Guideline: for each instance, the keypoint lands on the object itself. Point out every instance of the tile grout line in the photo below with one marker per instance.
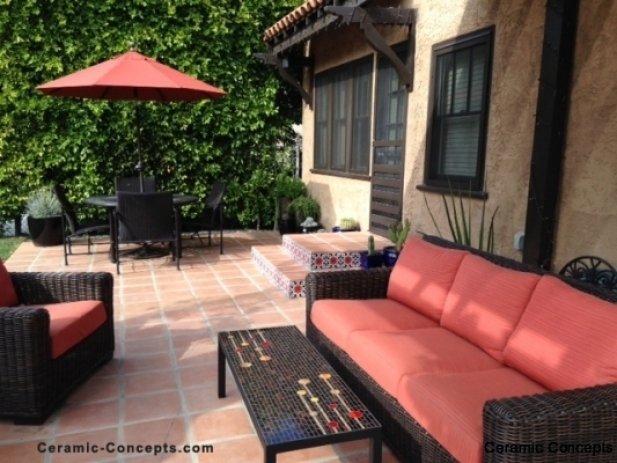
(188, 433)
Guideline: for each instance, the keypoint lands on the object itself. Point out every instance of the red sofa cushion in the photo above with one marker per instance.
(72, 322)
(566, 338)
(389, 355)
(423, 275)
(486, 302)
(8, 296)
(338, 318)
(450, 406)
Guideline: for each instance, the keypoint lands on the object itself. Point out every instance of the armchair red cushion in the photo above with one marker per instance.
(8, 296)
(72, 322)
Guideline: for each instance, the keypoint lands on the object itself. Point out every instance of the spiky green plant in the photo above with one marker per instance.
(398, 232)
(460, 223)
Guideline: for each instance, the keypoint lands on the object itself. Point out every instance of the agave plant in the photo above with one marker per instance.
(460, 223)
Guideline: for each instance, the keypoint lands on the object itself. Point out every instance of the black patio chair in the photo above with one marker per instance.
(591, 269)
(147, 218)
(132, 184)
(72, 228)
(211, 218)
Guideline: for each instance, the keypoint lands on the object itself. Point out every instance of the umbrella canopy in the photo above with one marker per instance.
(131, 76)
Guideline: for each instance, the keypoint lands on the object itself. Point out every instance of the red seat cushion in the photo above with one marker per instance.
(8, 296)
(450, 406)
(566, 338)
(72, 322)
(423, 275)
(486, 302)
(338, 318)
(389, 355)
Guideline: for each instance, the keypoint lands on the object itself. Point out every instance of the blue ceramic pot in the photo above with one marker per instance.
(371, 261)
(390, 255)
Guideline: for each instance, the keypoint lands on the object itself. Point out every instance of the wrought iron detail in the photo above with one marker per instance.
(591, 269)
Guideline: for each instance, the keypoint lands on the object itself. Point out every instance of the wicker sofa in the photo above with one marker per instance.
(52, 337)
(466, 356)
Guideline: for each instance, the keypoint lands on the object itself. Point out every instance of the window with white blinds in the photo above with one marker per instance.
(457, 138)
(343, 108)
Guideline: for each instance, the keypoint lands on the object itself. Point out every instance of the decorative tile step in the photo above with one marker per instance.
(281, 269)
(329, 251)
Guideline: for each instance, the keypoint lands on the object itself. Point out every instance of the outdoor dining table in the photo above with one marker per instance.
(110, 202)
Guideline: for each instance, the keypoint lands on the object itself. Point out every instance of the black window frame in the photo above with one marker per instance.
(327, 79)
(433, 179)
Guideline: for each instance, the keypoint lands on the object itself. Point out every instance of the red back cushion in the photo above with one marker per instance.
(423, 275)
(566, 338)
(8, 296)
(486, 302)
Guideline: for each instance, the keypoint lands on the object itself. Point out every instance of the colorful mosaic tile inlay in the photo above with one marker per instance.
(292, 391)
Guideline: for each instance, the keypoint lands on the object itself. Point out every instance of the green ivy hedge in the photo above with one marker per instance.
(87, 143)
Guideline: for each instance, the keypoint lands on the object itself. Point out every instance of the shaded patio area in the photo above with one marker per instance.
(161, 385)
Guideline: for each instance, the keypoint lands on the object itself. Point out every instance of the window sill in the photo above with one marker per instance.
(334, 173)
(447, 191)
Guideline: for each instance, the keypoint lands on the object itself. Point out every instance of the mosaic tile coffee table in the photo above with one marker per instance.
(293, 396)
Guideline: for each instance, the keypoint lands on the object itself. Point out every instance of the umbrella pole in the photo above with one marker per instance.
(140, 165)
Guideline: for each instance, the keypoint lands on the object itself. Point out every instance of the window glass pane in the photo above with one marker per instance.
(461, 81)
(445, 78)
(339, 121)
(361, 116)
(390, 155)
(391, 102)
(478, 58)
(460, 137)
(321, 121)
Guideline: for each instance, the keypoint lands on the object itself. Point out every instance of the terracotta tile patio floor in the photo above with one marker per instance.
(161, 385)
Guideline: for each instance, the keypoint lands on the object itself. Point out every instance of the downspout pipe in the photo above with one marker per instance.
(550, 133)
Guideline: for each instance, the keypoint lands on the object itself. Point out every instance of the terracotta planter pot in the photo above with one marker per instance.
(45, 231)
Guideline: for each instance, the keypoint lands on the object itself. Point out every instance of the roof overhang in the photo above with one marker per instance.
(302, 23)
(317, 16)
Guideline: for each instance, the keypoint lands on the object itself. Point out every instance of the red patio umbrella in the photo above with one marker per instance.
(131, 76)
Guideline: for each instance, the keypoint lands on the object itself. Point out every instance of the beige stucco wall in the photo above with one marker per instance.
(588, 208)
(514, 86)
(516, 64)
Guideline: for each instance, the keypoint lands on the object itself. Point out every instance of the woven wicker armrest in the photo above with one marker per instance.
(34, 288)
(25, 334)
(347, 284)
(556, 426)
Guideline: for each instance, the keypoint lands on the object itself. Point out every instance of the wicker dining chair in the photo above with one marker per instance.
(72, 228)
(147, 218)
(211, 218)
(133, 184)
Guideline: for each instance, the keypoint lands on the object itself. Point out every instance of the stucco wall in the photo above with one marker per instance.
(588, 208)
(516, 64)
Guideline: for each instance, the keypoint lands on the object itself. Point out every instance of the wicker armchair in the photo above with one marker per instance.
(32, 385)
(579, 416)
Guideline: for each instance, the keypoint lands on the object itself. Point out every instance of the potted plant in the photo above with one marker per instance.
(349, 224)
(286, 189)
(44, 218)
(397, 233)
(304, 207)
(370, 258)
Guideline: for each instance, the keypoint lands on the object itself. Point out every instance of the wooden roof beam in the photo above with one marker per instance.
(366, 18)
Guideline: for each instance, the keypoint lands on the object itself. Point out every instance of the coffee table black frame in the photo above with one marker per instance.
(294, 397)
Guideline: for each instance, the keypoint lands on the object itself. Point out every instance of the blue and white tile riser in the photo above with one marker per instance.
(319, 261)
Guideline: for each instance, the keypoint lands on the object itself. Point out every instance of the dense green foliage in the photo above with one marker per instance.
(86, 143)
